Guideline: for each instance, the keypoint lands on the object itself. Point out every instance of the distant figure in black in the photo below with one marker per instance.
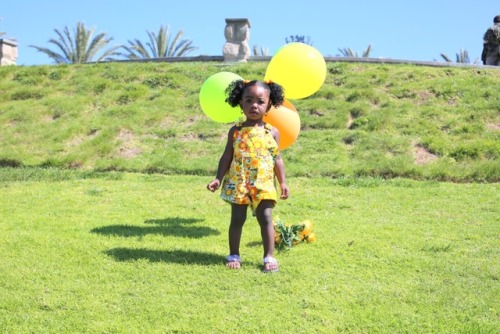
(491, 44)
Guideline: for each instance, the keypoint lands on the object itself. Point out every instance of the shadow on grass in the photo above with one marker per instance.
(167, 256)
(254, 244)
(174, 226)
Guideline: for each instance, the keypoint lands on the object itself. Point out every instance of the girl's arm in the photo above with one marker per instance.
(224, 162)
(279, 168)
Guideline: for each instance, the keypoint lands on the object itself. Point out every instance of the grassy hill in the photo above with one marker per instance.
(381, 120)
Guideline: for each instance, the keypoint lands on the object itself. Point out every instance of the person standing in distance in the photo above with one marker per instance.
(491, 44)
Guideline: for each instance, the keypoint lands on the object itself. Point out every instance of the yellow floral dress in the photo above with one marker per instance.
(250, 178)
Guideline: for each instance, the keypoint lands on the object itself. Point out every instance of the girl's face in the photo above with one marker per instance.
(255, 102)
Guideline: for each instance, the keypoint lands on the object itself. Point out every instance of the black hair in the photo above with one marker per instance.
(235, 90)
(496, 19)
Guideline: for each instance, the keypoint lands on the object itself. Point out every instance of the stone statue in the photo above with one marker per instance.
(8, 52)
(237, 33)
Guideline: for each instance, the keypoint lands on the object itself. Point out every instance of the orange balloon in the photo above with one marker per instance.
(286, 119)
(288, 105)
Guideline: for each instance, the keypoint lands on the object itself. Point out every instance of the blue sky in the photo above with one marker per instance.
(397, 29)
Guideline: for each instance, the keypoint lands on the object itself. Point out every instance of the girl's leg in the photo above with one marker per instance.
(238, 218)
(265, 218)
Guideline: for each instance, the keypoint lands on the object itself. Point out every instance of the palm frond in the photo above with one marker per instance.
(260, 52)
(58, 58)
(461, 57)
(348, 52)
(446, 58)
(175, 45)
(367, 51)
(136, 50)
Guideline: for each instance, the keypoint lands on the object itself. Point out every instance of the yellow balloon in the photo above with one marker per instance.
(286, 119)
(299, 68)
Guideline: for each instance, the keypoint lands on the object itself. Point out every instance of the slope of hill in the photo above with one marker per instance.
(382, 120)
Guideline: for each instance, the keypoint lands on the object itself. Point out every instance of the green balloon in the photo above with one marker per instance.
(213, 98)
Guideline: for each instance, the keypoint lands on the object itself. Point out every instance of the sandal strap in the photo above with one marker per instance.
(233, 258)
(269, 259)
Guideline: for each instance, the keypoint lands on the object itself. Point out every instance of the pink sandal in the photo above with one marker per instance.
(270, 265)
(233, 261)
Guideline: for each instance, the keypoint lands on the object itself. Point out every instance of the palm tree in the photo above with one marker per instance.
(348, 52)
(159, 46)
(299, 39)
(461, 57)
(79, 47)
(260, 52)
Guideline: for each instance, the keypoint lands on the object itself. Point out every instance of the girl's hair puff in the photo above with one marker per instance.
(235, 90)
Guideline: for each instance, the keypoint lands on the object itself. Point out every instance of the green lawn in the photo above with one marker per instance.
(136, 253)
(106, 225)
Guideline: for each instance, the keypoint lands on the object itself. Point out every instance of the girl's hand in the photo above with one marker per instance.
(214, 185)
(284, 191)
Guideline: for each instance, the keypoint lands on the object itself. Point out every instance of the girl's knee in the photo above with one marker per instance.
(265, 212)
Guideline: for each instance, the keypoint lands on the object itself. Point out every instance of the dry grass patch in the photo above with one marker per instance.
(493, 126)
(422, 156)
(128, 147)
